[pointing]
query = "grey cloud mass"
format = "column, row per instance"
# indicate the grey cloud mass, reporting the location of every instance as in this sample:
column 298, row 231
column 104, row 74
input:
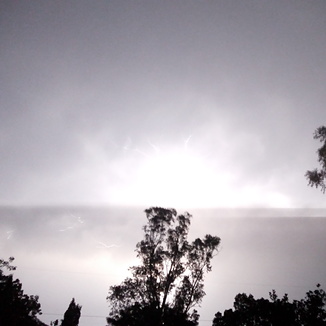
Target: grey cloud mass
column 87, row 87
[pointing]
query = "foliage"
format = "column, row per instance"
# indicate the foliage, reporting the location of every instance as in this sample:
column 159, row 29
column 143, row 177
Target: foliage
column 312, row 309
column 169, row 281
column 275, row 311
column 72, row 315
column 16, row 308
column 317, row 177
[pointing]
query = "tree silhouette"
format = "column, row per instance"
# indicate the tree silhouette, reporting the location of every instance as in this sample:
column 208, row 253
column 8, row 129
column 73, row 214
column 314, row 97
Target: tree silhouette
column 309, row 311
column 169, row 281
column 72, row 315
column 16, row 308
column 317, row 177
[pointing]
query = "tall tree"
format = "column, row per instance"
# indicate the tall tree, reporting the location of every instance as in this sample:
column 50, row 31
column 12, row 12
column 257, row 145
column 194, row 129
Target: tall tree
column 168, row 283
column 317, row 177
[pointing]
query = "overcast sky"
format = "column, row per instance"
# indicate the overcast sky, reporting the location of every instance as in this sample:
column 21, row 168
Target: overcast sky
column 185, row 104
column 176, row 103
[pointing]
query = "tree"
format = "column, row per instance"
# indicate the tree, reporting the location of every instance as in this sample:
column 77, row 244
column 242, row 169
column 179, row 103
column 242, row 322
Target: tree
column 275, row 312
column 311, row 310
column 168, row 283
column 317, row 177
column 72, row 315
column 16, row 308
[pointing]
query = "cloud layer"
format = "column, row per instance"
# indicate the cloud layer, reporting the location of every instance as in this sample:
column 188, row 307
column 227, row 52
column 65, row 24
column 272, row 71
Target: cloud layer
column 88, row 90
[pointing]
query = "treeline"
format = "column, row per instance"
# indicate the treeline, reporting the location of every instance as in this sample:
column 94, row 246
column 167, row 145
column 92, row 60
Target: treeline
column 275, row 311
column 166, row 287
column 20, row 309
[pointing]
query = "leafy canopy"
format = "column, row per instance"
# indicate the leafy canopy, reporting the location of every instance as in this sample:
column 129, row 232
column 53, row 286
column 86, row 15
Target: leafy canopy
column 168, row 283
column 72, row 314
column 275, row 312
column 317, row 177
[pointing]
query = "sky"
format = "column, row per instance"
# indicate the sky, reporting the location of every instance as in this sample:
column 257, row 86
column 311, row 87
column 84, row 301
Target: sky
column 175, row 103
column 205, row 106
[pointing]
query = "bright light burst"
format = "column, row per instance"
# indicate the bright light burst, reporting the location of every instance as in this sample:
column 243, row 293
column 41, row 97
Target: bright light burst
column 181, row 177
column 178, row 177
